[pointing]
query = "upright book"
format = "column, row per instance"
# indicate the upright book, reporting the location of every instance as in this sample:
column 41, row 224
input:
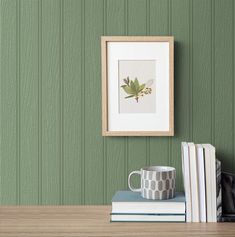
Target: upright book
column 201, row 182
column 213, row 184
column 210, row 183
column 186, row 179
column 194, row 182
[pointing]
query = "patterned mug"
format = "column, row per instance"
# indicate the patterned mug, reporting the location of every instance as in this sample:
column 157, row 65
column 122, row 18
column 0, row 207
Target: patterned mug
column 157, row 182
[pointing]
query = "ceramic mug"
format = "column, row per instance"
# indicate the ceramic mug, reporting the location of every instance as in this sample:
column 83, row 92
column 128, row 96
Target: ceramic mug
column 157, row 182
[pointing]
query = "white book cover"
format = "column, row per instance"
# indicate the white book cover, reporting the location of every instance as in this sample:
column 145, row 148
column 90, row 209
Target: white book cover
column 210, row 171
column 201, row 182
column 208, row 182
column 132, row 202
column 194, row 182
column 213, row 184
column 186, row 178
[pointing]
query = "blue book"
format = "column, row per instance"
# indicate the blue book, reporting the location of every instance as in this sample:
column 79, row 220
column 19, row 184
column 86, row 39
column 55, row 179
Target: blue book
column 131, row 202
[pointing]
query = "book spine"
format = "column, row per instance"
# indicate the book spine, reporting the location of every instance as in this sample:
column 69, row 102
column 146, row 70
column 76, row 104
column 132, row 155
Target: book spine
column 194, row 183
column 186, row 176
column 213, row 184
column 208, row 183
column 201, row 183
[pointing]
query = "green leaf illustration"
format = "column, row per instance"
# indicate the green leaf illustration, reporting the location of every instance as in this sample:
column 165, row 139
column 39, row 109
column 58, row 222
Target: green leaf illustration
column 134, row 89
column 141, row 87
column 128, row 90
column 137, row 85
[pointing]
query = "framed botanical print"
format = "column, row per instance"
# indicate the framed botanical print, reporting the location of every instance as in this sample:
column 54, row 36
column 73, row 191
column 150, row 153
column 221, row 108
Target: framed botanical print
column 137, row 85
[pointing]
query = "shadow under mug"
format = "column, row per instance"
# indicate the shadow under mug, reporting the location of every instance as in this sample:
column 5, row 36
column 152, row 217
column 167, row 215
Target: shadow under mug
column 157, row 182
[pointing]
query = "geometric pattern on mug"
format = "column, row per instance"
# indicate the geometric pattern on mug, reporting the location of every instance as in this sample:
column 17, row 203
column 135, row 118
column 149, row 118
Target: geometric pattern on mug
column 158, row 185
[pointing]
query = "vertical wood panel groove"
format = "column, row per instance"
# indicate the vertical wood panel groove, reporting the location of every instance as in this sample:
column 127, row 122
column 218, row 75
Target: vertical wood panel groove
column 61, row 102
column 169, row 32
column 104, row 138
column 213, row 71
column 18, row 100
column 191, row 68
column 40, row 102
column 127, row 160
column 83, row 103
column 127, row 17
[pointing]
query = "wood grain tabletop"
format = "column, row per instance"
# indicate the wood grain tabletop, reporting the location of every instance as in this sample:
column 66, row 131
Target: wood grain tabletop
column 57, row 221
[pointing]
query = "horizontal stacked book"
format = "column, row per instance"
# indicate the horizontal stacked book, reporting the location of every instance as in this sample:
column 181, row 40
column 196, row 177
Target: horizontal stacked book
column 130, row 206
column 202, row 182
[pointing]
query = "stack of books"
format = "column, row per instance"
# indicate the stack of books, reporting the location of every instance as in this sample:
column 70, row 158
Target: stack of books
column 202, row 182
column 130, row 206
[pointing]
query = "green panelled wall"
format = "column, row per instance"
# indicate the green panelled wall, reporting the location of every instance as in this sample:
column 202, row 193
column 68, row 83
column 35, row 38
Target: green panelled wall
column 51, row 150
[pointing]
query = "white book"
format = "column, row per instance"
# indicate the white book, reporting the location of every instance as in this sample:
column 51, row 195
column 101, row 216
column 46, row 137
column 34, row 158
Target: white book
column 154, row 218
column 208, row 182
column 186, row 178
column 201, row 182
column 194, row 182
column 210, row 171
column 132, row 202
column 213, row 184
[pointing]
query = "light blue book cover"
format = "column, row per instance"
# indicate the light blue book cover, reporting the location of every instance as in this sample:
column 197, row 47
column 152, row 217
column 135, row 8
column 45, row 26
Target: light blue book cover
column 129, row 196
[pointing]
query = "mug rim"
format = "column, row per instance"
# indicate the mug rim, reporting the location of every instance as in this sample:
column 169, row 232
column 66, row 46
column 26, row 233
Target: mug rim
column 155, row 167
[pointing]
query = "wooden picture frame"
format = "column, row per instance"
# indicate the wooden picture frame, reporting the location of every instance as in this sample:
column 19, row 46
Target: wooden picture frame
column 113, row 120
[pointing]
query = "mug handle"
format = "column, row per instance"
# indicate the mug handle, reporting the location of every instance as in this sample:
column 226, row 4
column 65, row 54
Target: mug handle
column 129, row 181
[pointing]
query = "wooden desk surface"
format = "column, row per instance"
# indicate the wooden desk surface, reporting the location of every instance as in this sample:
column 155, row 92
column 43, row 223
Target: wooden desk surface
column 84, row 221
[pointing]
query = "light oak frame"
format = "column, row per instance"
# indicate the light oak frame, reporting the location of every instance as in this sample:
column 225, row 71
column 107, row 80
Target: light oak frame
column 104, row 41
